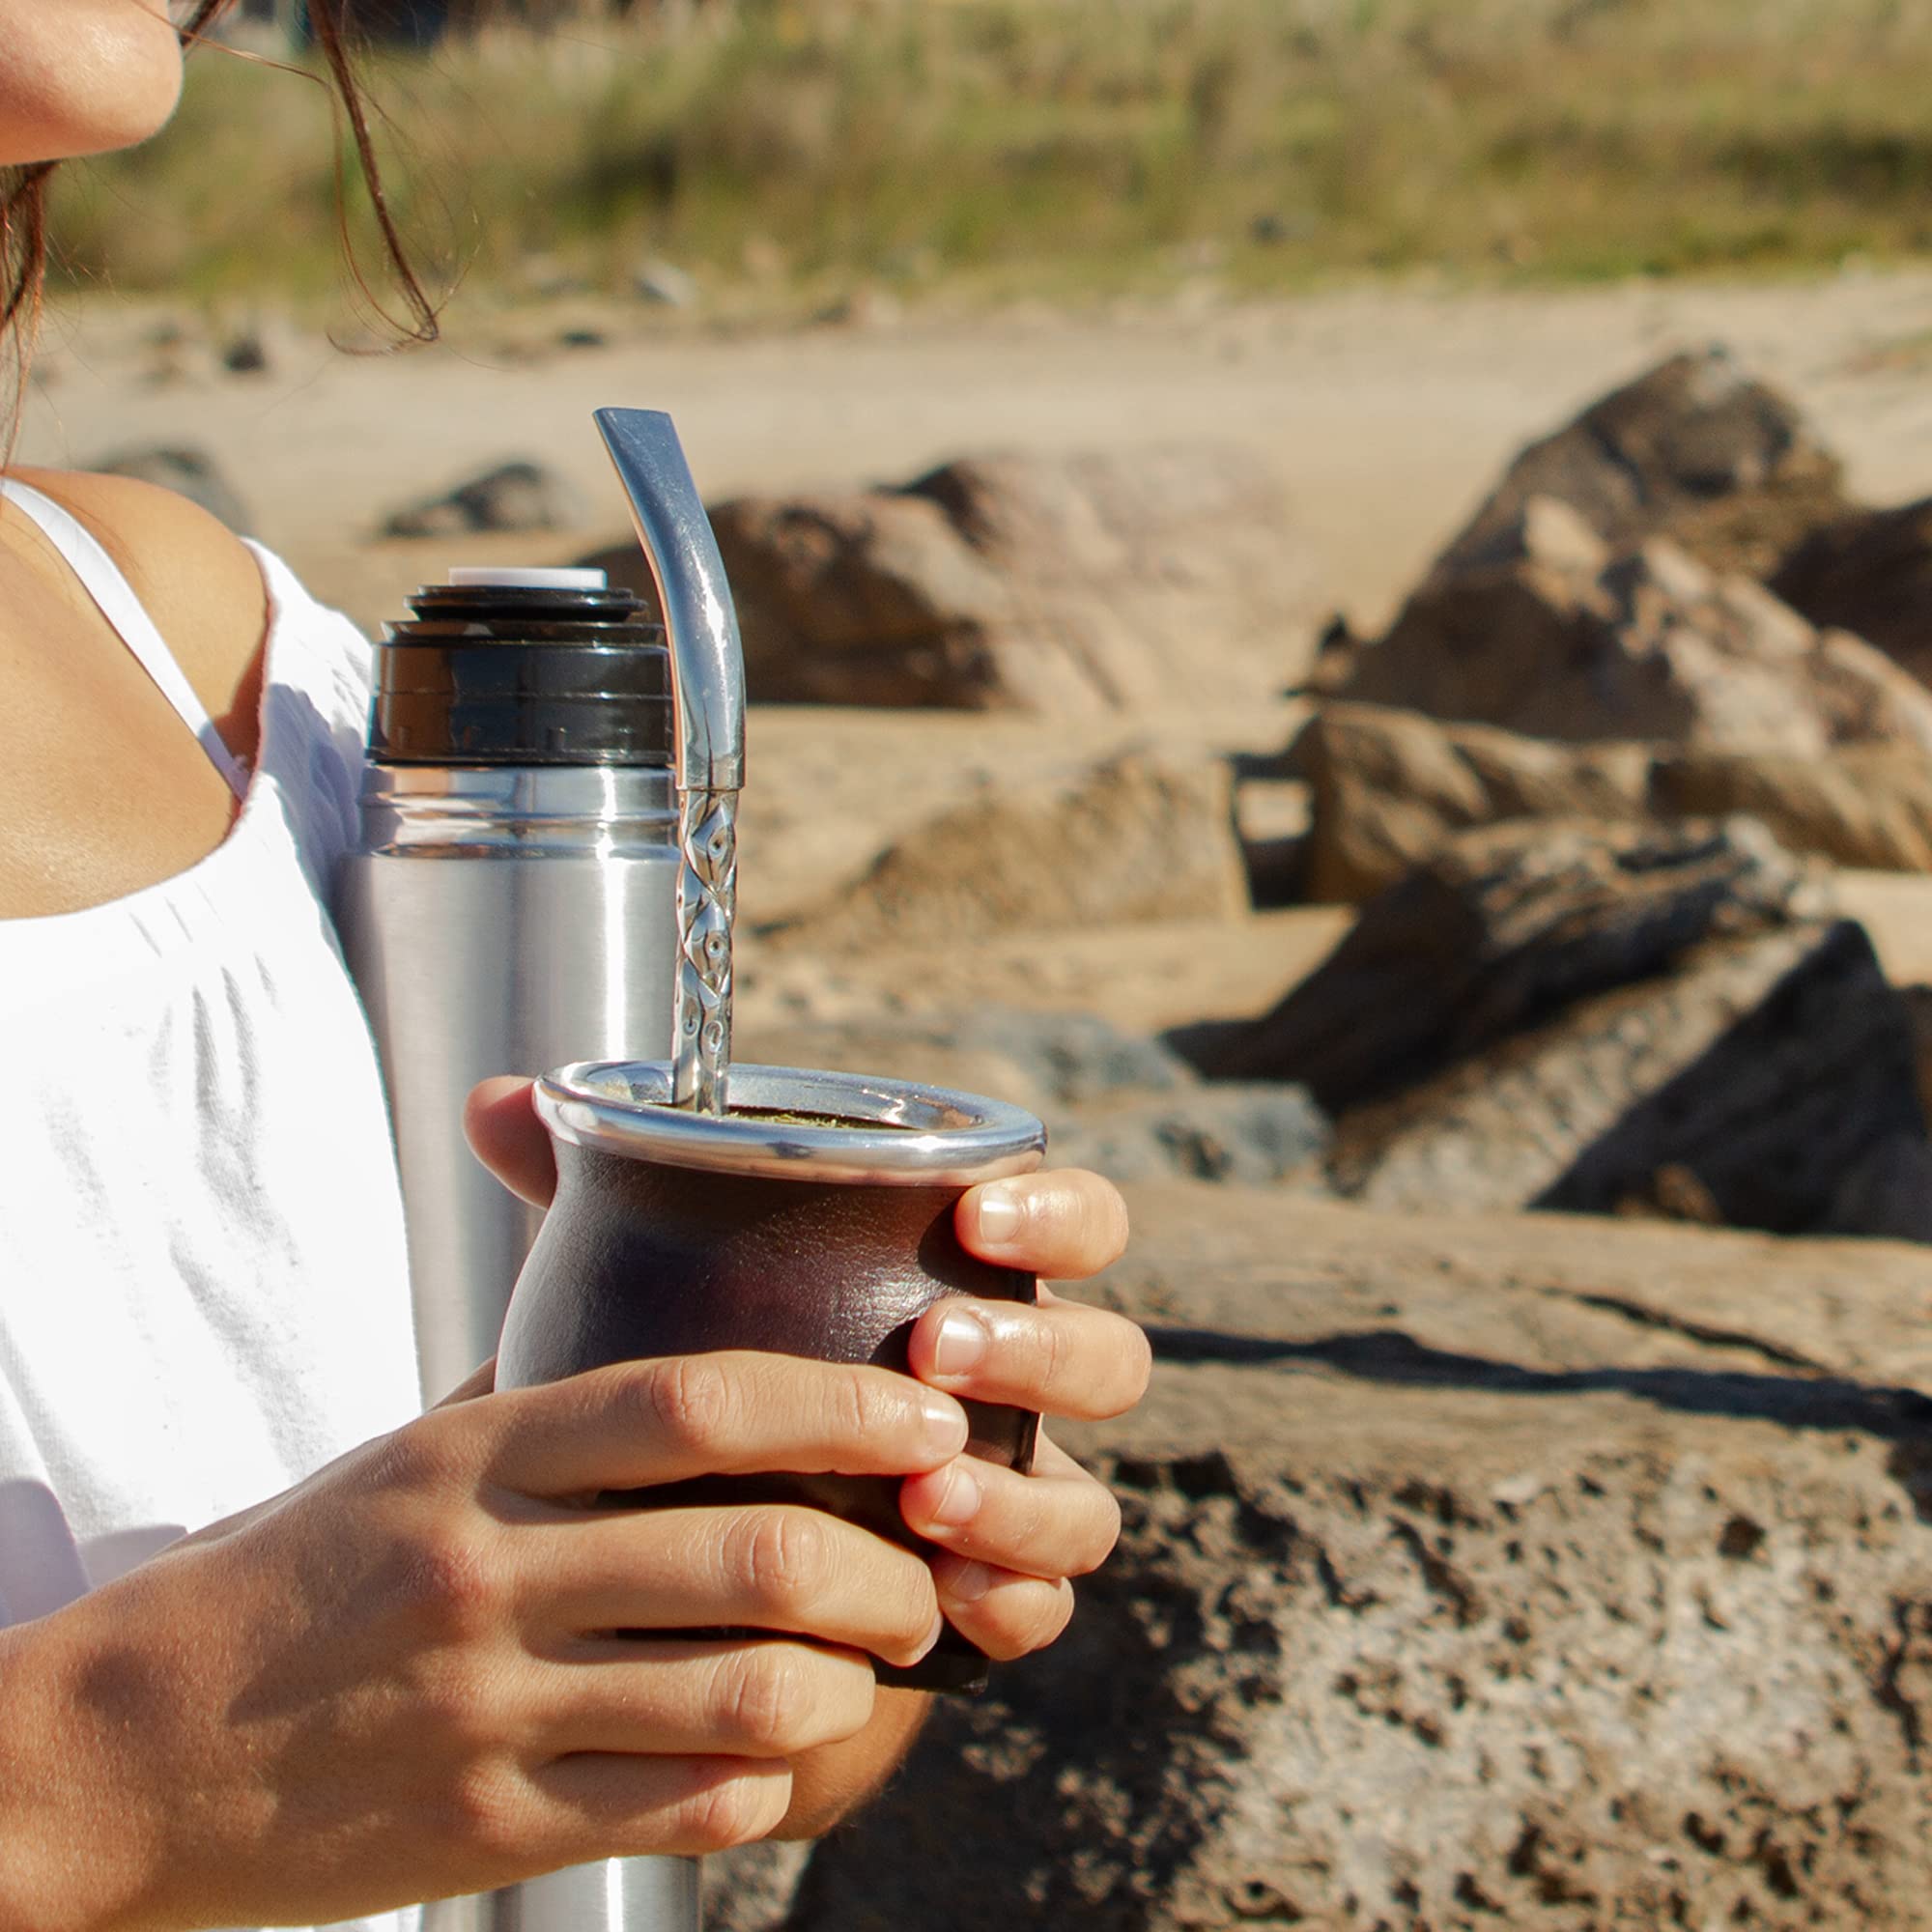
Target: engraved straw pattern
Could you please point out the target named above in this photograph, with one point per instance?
(707, 901)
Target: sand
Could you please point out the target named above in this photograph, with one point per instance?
(1388, 412)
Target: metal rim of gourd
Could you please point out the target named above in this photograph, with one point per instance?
(890, 1132)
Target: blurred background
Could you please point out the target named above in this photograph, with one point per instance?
(789, 153)
(1381, 242)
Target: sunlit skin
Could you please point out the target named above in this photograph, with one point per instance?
(414, 1637)
(83, 76)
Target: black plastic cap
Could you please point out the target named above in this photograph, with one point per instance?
(494, 674)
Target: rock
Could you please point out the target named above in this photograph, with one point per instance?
(187, 471)
(1918, 1010)
(1336, 647)
(1759, 1079)
(664, 284)
(874, 599)
(1866, 806)
(1504, 924)
(1863, 697)
(1870, 571)
(1142, 837)
(547, 278)
(1273, 817)
(1252, 1136)
(864, 308)
(1477, 1570)
(1062, 585)
(1124, 1105)
(1080, 1055)
(1695, 449)
(1046, 1061)
(1887, 1193)
(1541, 634)
(246, 355)
(516, 496)
(174, 351)
(1390, 787)
(749, 1888)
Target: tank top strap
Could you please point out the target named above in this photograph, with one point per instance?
(102, 577)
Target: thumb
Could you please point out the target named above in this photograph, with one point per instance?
(506, 1136)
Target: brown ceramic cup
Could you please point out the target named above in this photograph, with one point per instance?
(813, 1218)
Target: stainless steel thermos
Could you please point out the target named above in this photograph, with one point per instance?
(514, 904)
(513, 895)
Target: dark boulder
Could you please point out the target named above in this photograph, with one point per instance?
(1065, 585)
(1505, 925)
(1696, 449)
(508, 496)
(1763, 1082)
(1547, 632)
(1869, 571)
(1391, 788)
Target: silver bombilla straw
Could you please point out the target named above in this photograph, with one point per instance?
(708, 692)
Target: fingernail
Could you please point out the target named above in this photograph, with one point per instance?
(1000, 1213)
(945, 1422)
(961, 1501)
(961, 1341)
(970, 1582)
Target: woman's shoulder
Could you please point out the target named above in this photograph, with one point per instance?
(196, 578)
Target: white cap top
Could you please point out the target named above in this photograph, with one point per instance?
(524, 577)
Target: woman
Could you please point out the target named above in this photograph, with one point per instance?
(376, 1669)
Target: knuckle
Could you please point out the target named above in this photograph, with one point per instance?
(1052, 1347)
(444, 1583)
(783, 1559)
(689, 1402)
(864, 1409)
(485, 1811)
(768, 1700)
(1054, 1213)
(422, 1456)
(735, 1812)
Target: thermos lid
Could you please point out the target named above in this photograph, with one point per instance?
(523, 666)
(794, 1123)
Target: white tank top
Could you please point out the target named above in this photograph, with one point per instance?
(203, 1292)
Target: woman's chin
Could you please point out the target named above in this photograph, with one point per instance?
(84, 77)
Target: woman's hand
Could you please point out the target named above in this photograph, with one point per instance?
(1013, 1541)
(401, 1680)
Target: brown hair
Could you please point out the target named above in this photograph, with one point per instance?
(23, 228)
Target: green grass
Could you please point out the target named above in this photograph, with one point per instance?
(785, 151)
